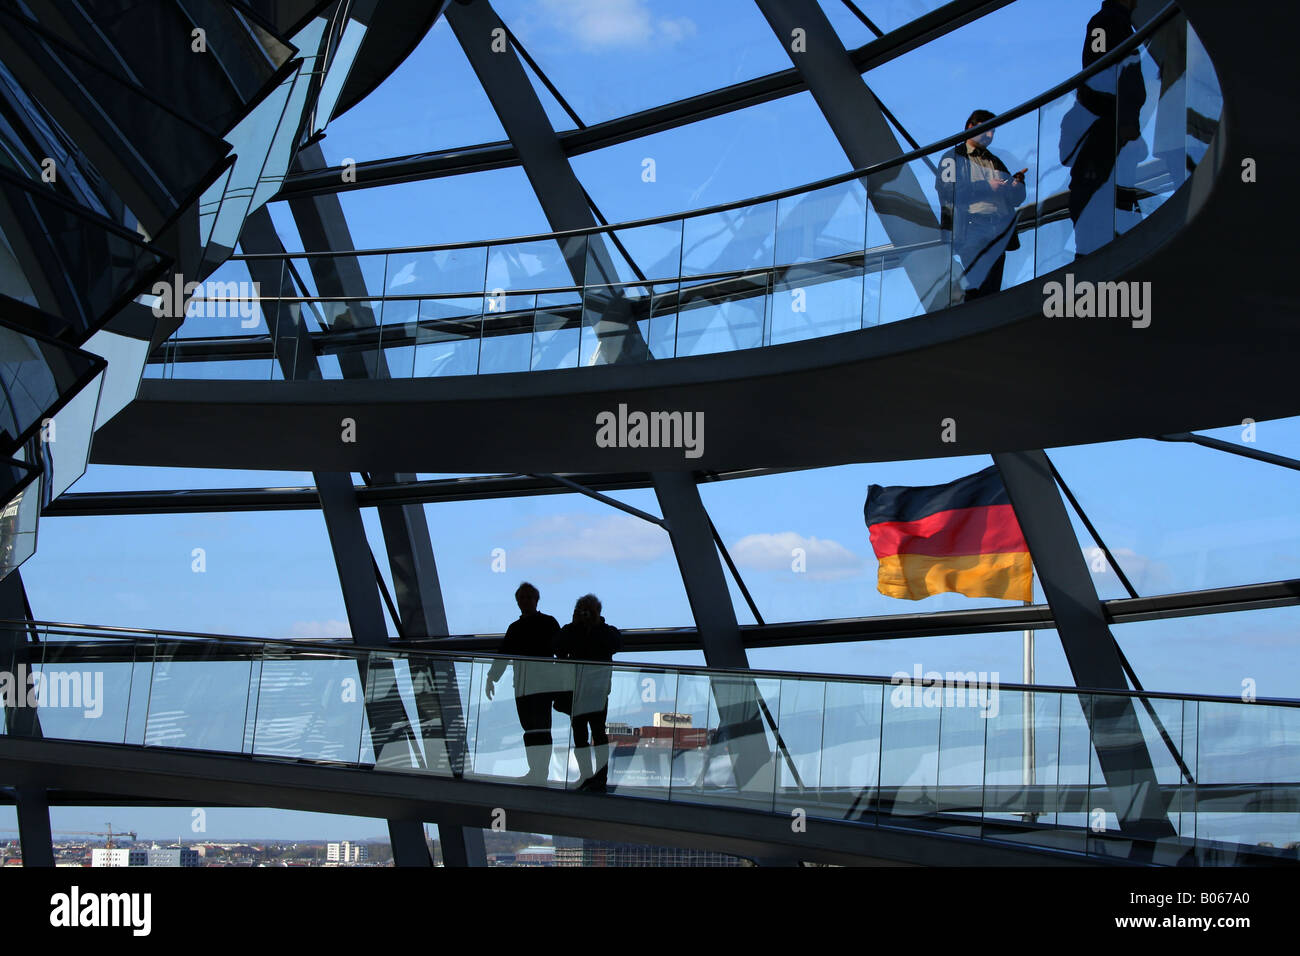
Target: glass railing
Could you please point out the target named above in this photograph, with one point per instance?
(1051, 180)
(1151, 777)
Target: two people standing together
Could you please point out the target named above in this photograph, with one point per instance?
(1100, 143)
(540, 685)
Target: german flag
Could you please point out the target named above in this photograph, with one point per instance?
(962, 536)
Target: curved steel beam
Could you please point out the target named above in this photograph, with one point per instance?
(763, 89)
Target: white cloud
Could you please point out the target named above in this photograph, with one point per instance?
(824, 558)
(611, 539)
(316, 630)
(615, 24)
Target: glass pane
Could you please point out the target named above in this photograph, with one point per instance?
(387, 741)
(440, 691)
(447, 338)
(557, 331)
(628, 323)
(532, 266)
(1063, 127)
(198, 698)
(641, 253)
(401, 327)
(437, 272)
(138, 704)
(517, 728)
(1248, 764)
(723, 315)
(823, 298)
(737, 240)
(904, 233)
(351, 349)
(82, 691)
(309, 705)
(507, 334)
(126, 357)
(851, 748)
(910, 752)
(642, 725)
(799, 763)
(733, 762)
(961, 757)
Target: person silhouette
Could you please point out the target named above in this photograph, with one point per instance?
(533, 635)
(1101, 135)
(589, 638)
(979, 199)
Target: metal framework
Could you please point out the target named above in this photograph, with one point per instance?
(865, 130)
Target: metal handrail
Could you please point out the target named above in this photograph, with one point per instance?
(143, 634)
(1120, 52)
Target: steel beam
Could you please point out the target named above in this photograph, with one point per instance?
(858, 122)
(462, 846)
(420, 609)
(409, 846)
(240, 781)
(697, 556)
(33, 806)
(17, 642)
(564, 202)
(321, 224)
(338, 501)
(1089, 646)
(34, 826)
(752, 92)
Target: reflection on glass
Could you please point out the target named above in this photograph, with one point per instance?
(1166, 780)
(736, 240)
(198, 698)
(907, 240)
(436, 272)
(84, 691)
(536, 265)
(723, 315)
(557, 330)
(508, 334)
(307, 706)
(447, 336)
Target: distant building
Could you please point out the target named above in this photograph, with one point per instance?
(535, 856)
(672, 720)
(171, 856)
(150, 856)
(575, 851)
(346, 852)
(119, 856)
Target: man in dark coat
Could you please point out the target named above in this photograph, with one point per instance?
(533, 635)
(589, 638)
(979, 199)
(1103, 130)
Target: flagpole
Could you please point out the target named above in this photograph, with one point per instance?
(1027, 677)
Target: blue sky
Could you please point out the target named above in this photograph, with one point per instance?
(1177, 517)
